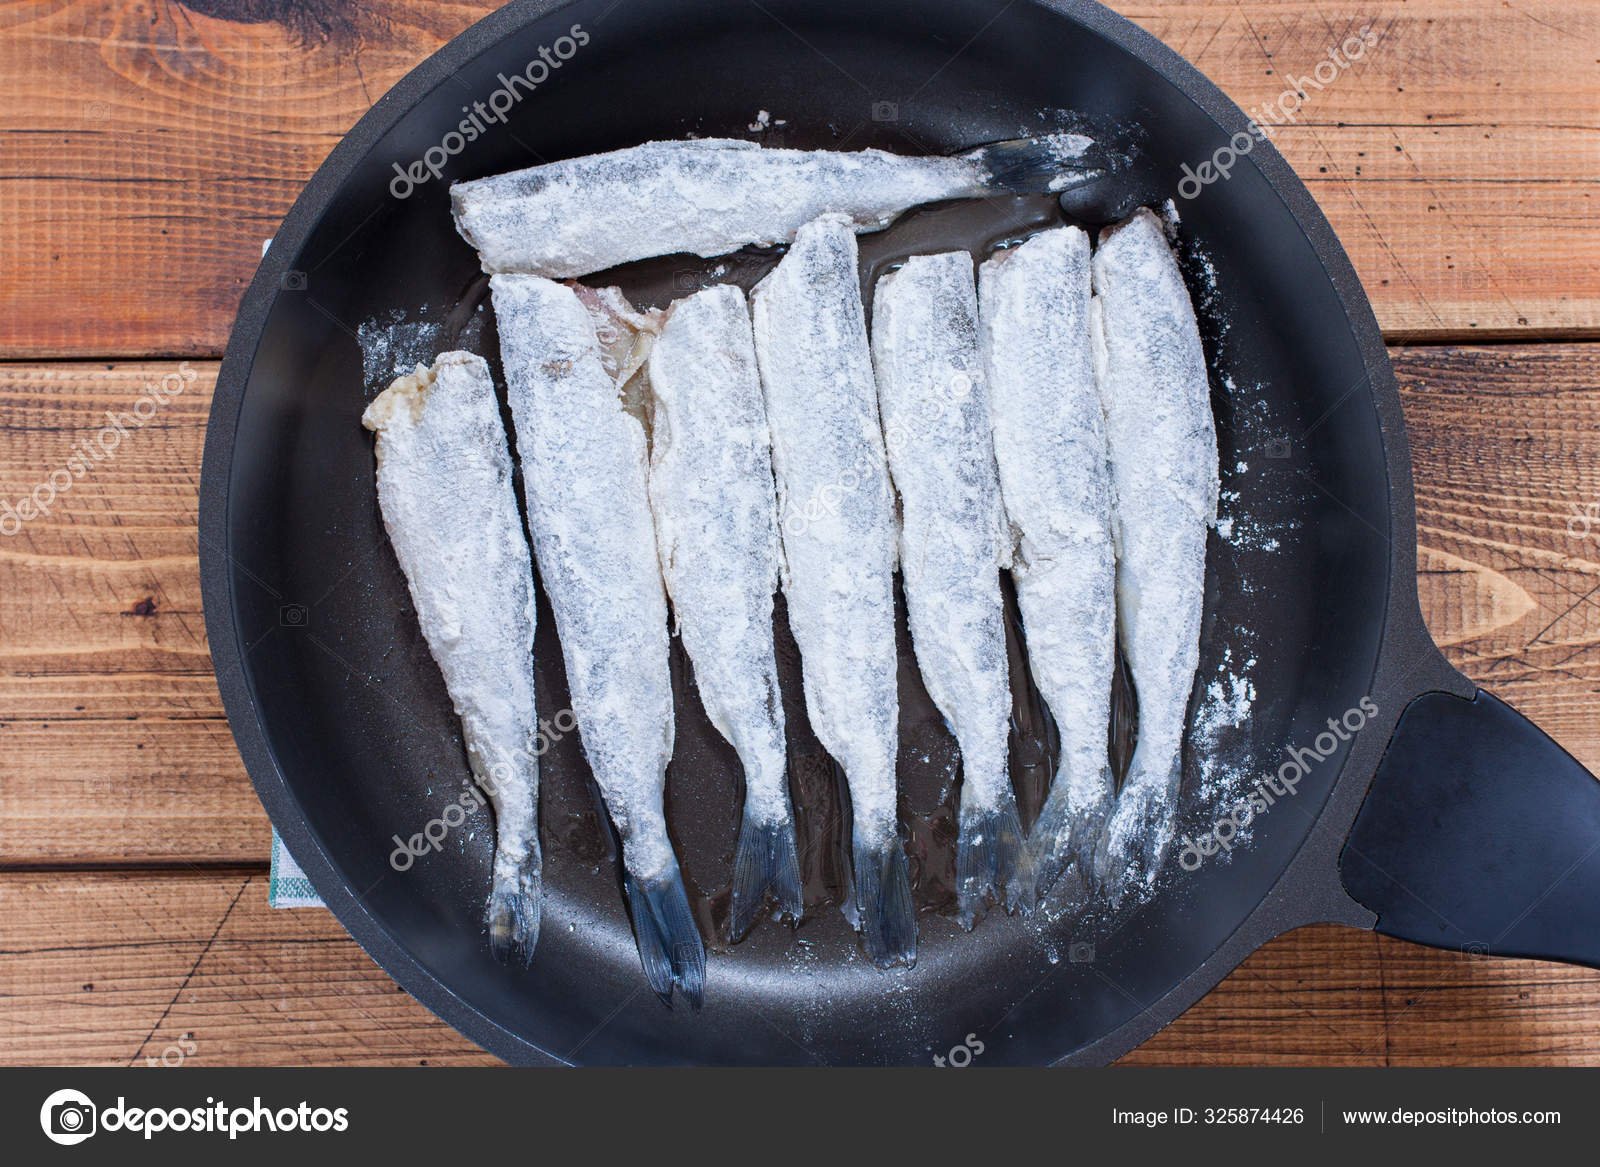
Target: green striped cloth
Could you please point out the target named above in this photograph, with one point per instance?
(288, 886)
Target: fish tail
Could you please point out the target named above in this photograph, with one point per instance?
(1069, 829)
(991, 859)
(513, 914)
(888, 920)
(1140, 829)
(1053, 163)
(670, 947)
(764, 861)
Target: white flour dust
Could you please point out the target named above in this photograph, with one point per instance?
(394, 347)
(396, 343)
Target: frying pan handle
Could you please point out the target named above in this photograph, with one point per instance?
(1479, 833)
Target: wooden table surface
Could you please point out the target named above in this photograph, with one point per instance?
(146, 149)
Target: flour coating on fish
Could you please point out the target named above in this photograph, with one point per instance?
(714, 195)
(444, 487)
(585, 480)
(1151, 371)
(954, 541)
(839, 559)
(716, 517)
(1050, 446)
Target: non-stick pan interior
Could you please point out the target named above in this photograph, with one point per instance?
(356, 717)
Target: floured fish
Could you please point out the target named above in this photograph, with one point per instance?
(717, 532)
(584, 471)
(444, 486)
(837, 516)
(714, 195)
(953, 543)
(1151, 371)
(1050, 446)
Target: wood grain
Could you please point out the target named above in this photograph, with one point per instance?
(1456, 159)
(118, 969)
(114, 748)
(1332, 996)
(143, 169)
(139, 173)
(113, 745)
(134, 968)
(1506, 451)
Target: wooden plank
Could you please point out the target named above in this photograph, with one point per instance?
(123, 969)
(1453, 160)
(1457, 159)
(1333, 996)
(1506, 451)
(114, 748)
(132, 970)
(144, 167)
(113, 744)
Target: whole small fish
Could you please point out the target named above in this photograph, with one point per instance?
(584, 475)
(953, 544)
(1151, 372)
(836, 513)
(714, 195)
(717, 532)
(1050, 445)
(444, 487)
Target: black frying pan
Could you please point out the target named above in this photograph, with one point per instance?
(1446, 819)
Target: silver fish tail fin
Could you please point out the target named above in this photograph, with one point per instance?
(887, 918)
(1136, 838)
(1054, 163)
(991, 859)
(513, 914)
(670, 947)
(1070, 827)
(764, 861)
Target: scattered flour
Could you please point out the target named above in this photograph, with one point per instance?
(393, 347)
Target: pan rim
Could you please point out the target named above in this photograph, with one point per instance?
(1400, 620)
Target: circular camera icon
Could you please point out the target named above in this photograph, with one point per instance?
(68, 1117)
